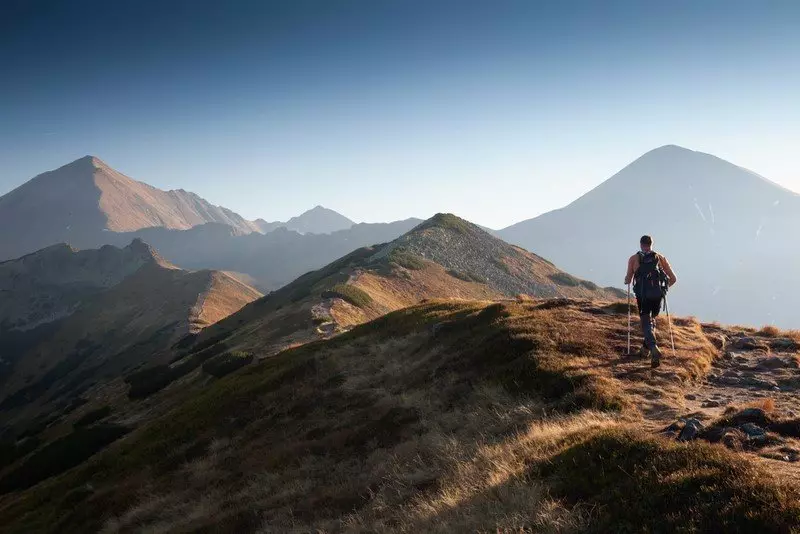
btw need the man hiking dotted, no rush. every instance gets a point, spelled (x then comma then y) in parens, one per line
(652, 276)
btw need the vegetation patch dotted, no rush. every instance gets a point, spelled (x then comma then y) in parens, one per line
(349, 293)
(93, 416)
(466, 277)
(60, 455)
(692, 487)
(224, 364)
(565, 279)
(403, 258)
(447, 221)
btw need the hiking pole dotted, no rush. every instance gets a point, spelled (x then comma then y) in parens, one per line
(669, 322)
(629, 319)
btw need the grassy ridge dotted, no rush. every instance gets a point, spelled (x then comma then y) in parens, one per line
(447, 416)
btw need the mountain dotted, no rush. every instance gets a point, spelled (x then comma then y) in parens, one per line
(272, 259)
(447, 416)
(51, 283)
(723, 228)
(78, 201)
(443, 257)
(317, 220)
(77, 320)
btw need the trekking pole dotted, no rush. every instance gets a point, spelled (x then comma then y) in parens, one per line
(629, 319)
(669, 322)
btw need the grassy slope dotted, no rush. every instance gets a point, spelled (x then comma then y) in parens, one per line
(444, 416)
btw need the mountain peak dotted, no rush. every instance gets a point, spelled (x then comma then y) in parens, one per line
(319, 220)
(449, 222)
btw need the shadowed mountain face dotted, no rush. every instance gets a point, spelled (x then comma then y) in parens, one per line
(723, 228)
(50, 284)
(73, 320)
(78, 201)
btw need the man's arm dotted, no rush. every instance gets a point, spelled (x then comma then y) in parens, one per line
(631, 270)
(668, 270)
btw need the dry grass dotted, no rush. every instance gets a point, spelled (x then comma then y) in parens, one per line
(769, 331)
(437, 418)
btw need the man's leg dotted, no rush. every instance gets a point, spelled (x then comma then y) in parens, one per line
(653, 307)
(644, 352)
(646, 318)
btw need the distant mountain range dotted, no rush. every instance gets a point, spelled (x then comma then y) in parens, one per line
(84, 201)
(726, 230)
(723, 227)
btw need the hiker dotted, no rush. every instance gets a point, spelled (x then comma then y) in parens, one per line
(652, 276)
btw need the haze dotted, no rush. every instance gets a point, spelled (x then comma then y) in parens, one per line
(388, 110)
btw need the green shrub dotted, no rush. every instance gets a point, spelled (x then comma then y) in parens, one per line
(93, 416)
(447, 221)
(589, 285)
(349, 293)
(224, 364)
(60, 455)
(500, 264)
(466, 277)
(565, 279)
(11, 451)
(693, 487)
(406, 259)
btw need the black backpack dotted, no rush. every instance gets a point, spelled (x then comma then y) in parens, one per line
(650, 281)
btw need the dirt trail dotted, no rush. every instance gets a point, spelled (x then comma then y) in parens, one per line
(750, 370)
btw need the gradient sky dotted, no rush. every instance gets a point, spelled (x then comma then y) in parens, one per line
(494, 110)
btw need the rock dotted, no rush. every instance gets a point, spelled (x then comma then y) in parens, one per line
(733, 438)
(748, 343)
(711, 404)
(784, 343)
(752, 430)
(757, 383)
(753, 414)
(674, 427)
(690, 396)
(690, 430)
(771, 363)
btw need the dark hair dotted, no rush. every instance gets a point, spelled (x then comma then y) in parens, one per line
(646, 240)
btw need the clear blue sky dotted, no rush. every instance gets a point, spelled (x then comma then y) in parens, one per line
(494, 110)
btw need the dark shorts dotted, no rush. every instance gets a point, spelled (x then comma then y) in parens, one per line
(649, 306)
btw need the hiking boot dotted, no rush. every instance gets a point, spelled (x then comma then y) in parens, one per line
(644, 352)
(655, 357)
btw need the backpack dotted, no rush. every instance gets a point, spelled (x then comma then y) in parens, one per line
(650, 281)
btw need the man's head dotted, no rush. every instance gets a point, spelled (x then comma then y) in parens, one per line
(646, 242)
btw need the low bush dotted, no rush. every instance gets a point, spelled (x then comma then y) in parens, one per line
(565, 279)
(406, 259)
(60, 455)
(92, 416)
(224, 364)
(348, 293)
(466, 277)
(694, 487)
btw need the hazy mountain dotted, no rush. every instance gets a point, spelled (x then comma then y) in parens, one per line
(49, 284)
(317, 220)
(725, 229)
(443, 257)
(77, 319)
(271, 259)
(78, 201)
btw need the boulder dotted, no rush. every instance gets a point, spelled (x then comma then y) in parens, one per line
(748, 343)
(690, 430)
(752, 430)
(771, 363)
